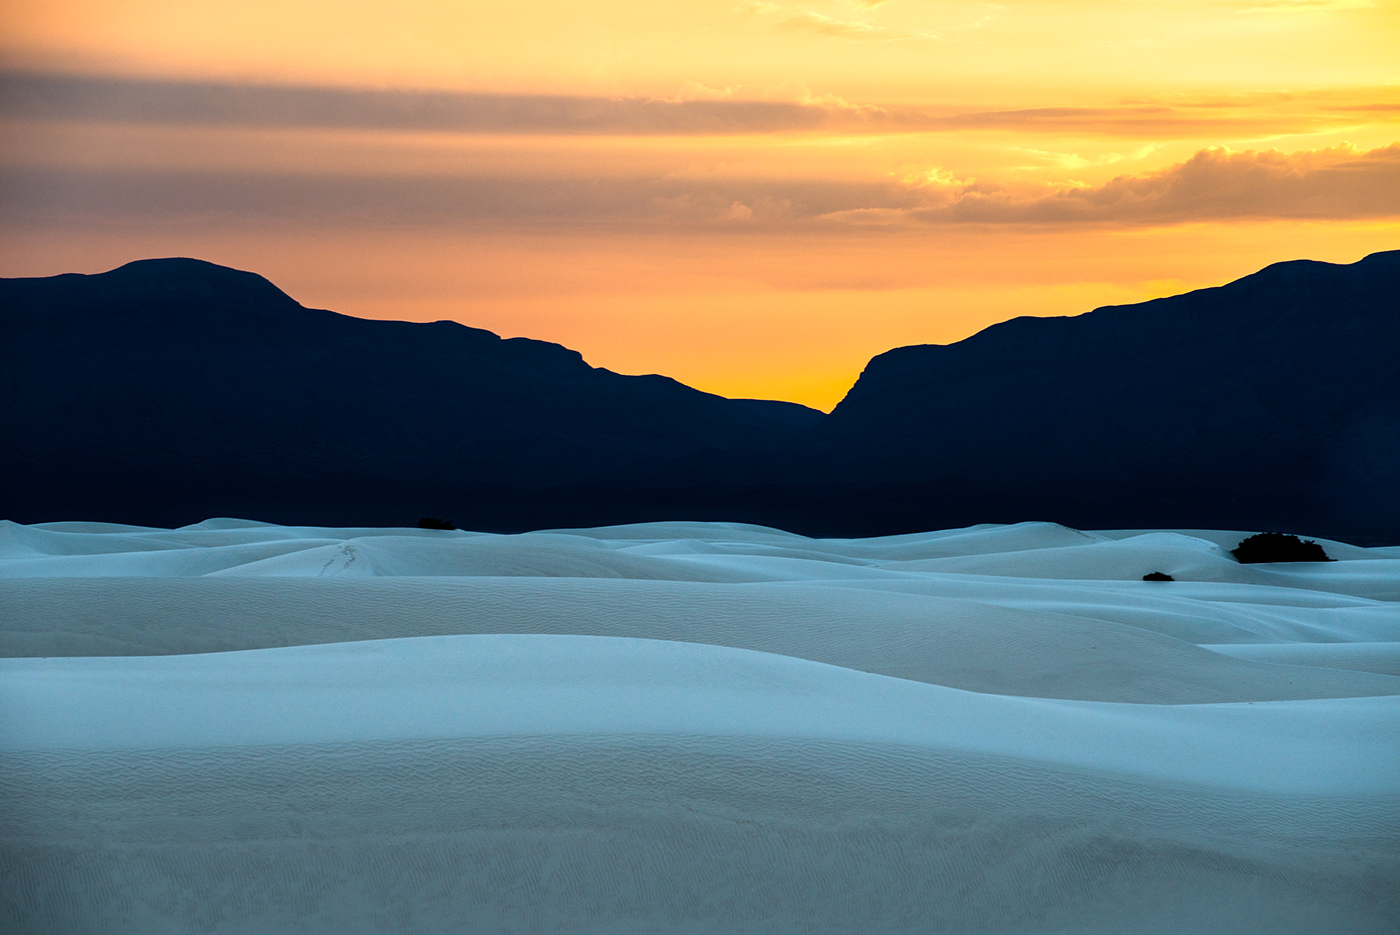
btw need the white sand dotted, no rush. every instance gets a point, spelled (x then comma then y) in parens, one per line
(236, 727)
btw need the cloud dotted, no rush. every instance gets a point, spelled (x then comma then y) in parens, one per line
(739, 211)
(870, 217)
(1212, 185)
(699, 91)
(1139, 120)
(937, 176)
(64, 197)
(696, 109)
(810, 21)
(1304, 6)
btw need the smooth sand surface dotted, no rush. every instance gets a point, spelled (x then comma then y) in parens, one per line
(689, 727)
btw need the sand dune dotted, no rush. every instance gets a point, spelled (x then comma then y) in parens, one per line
(688, 727)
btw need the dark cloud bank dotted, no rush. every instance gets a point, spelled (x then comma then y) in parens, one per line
(71, 97)
(131, 100)
(1213, 185)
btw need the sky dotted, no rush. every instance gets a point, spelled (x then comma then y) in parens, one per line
(751, 197)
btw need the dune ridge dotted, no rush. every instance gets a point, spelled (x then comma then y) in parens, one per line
(687, 727)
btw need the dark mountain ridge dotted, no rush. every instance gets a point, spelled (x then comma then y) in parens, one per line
(207, 388)
(1281, 388)
(167, 391)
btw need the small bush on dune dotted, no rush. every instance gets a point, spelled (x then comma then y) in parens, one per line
(432, 522)
(1278, 547)
(1157, 576)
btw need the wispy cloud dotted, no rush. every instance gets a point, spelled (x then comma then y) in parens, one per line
(811, 21)
(755, 7)
(1305, 6)
(696, 109)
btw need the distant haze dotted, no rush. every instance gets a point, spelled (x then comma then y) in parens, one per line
(752, 197)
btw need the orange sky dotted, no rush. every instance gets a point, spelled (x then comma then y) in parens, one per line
(751, 197)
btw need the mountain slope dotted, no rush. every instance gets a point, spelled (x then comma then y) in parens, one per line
(181, 379)
(1277, 395)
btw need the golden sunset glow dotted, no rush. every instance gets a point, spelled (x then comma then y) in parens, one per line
(751, 197)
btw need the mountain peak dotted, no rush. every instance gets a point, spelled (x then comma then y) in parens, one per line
(189, 276)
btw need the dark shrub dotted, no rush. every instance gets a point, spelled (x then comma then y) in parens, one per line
(1278, 547)
(1157, 576)
(431, 522)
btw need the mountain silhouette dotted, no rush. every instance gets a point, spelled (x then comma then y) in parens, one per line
(167, 391)
(1274, 400)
